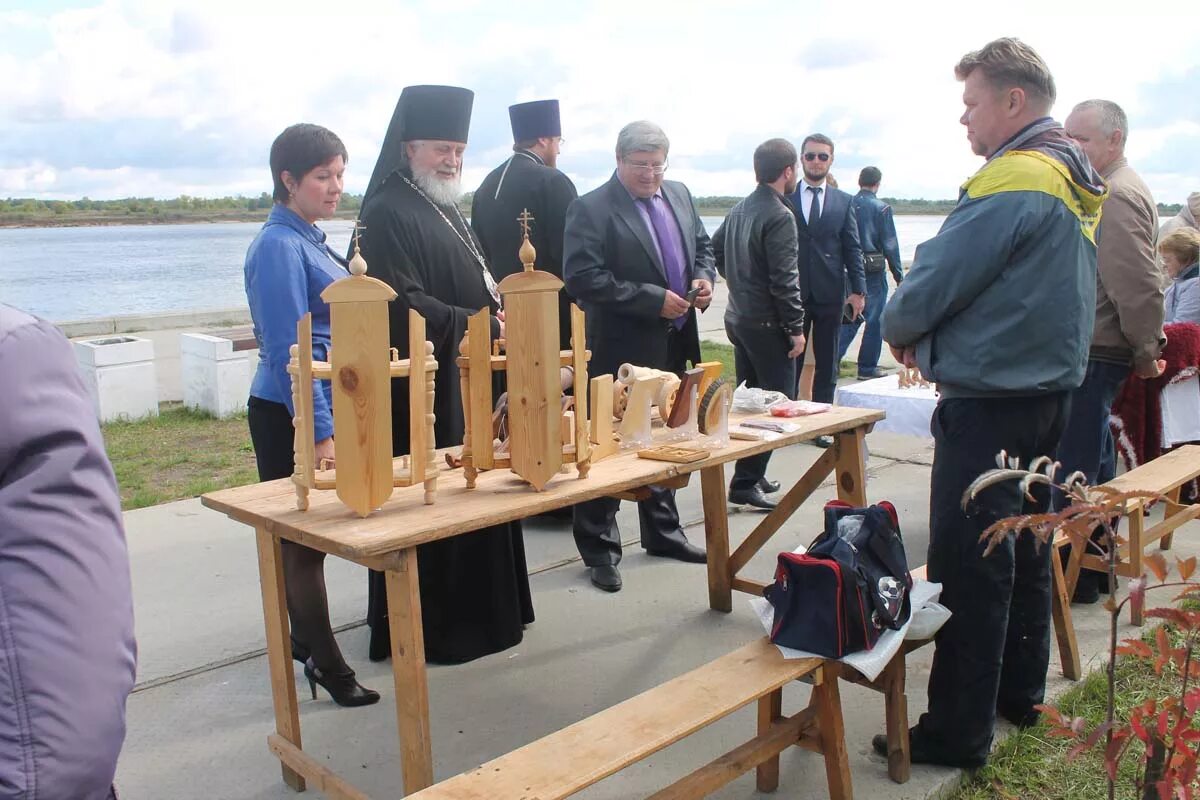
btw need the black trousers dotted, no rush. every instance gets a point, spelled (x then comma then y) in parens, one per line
(993, 652)
(825, 323)
(761, 360)
(273, 437)
(595, 521)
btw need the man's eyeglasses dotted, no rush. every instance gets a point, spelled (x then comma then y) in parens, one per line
(653, 169)
(815, 156)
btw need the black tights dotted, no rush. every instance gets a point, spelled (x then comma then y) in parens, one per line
(273, 436)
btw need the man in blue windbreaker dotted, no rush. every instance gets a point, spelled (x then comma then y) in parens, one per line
(997, 309)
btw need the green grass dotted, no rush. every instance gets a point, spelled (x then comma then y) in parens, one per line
(715, 351)
(1030, 764)
(179, 454)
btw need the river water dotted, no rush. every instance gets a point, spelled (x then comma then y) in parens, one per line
(66, 274)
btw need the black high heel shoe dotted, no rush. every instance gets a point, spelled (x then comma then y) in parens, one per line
(344, 689)
(299, 651)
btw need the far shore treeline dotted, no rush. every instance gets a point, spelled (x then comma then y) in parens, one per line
(27, 212)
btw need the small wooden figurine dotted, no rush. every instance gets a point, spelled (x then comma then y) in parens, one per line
(360, 371)
(911, 377)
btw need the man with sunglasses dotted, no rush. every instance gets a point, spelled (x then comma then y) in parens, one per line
(831, 264)
(633, 249)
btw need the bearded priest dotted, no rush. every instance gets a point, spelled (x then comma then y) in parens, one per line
(475, 595)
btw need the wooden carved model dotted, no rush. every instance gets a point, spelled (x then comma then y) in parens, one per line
(360, 369)
(538, 445)
(911, 377)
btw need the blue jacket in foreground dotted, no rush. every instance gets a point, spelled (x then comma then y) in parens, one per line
(1002, 300)
(288, 265)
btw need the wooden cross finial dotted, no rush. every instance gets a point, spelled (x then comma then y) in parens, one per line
(527, 253)
(525, 218)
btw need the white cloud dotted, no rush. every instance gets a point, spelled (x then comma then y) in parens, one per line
(163, 98)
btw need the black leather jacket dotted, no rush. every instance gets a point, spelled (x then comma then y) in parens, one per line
(757, 253)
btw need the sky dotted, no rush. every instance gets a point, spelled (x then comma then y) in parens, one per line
(124, 98)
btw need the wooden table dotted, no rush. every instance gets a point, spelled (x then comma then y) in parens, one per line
(387, 541)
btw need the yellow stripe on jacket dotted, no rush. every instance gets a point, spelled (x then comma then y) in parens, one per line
(1026, 171)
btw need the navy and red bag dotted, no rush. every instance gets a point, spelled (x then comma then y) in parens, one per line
(852, 584)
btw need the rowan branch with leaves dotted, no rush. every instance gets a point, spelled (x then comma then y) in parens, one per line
(1166, 726)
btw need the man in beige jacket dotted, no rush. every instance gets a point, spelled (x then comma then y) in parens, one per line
(1128, 333)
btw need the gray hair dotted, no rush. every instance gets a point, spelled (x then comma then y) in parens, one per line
(1110, 115)
(641, 137)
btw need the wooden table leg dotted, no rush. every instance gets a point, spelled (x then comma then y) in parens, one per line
(895, 703)
(851, 469)
(279, 648)
(1137, 526)
(1060, 615)
(770, 708)
(833, 733)
(716, 537)
(408, 671)
(1172, 507)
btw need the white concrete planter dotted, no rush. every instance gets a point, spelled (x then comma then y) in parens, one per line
(119, 374)
(216, 378)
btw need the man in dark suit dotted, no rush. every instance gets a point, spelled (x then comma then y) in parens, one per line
(632, 250)
(529, 180)
(831, 264)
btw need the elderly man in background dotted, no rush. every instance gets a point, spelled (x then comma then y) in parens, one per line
(66, 606)
(633, 249)
(757, 253)
(1128, 334)
(997, 309)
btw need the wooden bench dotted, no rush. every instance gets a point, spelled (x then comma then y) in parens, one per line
(242, 337)
(1165, 475)
(569, 760)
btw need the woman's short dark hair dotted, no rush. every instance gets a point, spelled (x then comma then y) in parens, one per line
(299, 150)
(771, 158)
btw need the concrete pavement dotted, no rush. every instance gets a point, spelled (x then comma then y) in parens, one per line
(200, 715)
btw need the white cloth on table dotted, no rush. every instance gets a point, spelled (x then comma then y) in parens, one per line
(909, 411)
(1180, 403)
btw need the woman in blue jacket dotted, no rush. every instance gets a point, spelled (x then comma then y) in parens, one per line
(287, 267)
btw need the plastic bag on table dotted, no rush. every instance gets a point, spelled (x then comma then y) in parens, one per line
(755, 401)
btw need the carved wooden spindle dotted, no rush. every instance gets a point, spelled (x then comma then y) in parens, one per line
(464, 379)
(299, 450)
(431, 467)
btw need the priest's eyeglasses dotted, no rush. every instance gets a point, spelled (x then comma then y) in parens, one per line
(653, 169)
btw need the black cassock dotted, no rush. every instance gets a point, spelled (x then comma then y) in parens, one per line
(525, 182)
(475, 595)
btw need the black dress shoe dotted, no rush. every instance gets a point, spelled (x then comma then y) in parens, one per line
(768, 487)
(344, 689)
(823, 441)
(921, 753)
(1021, 717)
(1087, 588)
(606, 577)
(751, 497)
(680, 551)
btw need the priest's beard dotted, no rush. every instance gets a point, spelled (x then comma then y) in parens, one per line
(443, 192)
